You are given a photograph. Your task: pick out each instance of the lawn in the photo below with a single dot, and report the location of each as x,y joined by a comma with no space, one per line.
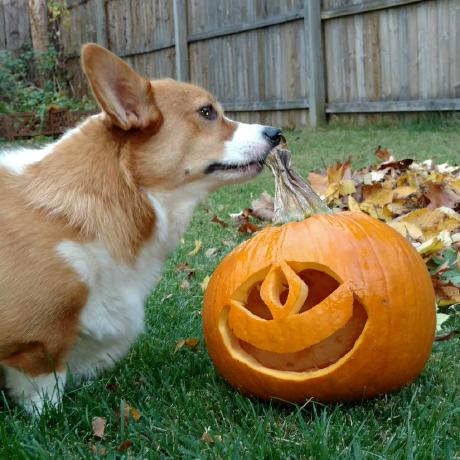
180,396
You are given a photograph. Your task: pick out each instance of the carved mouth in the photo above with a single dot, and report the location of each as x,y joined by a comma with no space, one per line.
311,347
318,356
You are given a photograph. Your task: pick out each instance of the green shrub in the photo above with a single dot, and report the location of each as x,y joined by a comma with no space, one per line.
35,82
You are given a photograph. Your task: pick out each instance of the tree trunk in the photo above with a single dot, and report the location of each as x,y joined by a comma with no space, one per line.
38,14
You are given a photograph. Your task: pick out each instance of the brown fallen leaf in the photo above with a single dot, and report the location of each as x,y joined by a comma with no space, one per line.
112,387
247,227
440,195
184,284
124,446
98,426
383,154
241,216
206,437
319,183
450,335
447,295
183,267
218,220
127,412
397,164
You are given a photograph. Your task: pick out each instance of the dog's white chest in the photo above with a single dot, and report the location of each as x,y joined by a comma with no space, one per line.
113,316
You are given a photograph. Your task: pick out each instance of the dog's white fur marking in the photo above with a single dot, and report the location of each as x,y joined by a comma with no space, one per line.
35,392
17,160
114,314
246,144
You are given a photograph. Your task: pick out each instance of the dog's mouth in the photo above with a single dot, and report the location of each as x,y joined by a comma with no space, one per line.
245,168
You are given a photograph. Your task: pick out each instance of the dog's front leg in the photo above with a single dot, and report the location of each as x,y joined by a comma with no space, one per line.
35,393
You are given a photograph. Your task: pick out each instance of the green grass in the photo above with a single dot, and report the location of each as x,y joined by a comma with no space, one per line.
180,395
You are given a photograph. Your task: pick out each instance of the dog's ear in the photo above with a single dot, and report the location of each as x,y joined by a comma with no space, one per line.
123,94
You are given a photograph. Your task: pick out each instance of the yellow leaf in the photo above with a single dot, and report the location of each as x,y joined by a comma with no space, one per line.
387,213
196,249
407,229
409,179
397,207
135,413
204,283
404,191
433,221
436,178
435,244
353,205
347,187
179,345
378,195
332,191
455,184
192,344
369,208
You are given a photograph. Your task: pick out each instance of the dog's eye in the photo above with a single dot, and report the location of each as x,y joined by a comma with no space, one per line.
208,112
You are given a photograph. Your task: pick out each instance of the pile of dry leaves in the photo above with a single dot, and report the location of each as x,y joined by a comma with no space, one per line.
419,200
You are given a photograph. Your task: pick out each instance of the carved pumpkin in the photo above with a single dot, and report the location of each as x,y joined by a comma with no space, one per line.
337,307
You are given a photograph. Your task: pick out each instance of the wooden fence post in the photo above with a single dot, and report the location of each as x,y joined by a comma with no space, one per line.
101,24
38,18
180,39
315,62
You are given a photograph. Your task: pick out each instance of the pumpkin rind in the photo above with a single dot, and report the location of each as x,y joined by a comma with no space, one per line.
375,265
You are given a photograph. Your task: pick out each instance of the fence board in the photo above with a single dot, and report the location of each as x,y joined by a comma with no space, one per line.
16,30
2,28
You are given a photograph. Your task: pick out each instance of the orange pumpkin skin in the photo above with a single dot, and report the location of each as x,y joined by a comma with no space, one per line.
370,333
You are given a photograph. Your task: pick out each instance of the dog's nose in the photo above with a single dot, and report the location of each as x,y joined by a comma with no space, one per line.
273,135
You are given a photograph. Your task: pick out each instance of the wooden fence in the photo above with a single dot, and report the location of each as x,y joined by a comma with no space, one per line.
284,62
14,24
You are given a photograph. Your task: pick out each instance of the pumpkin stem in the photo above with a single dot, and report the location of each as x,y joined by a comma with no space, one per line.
294,197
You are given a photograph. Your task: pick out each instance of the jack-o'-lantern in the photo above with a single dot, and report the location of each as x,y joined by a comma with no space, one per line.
335,307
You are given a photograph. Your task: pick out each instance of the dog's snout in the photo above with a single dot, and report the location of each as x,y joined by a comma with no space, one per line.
273,135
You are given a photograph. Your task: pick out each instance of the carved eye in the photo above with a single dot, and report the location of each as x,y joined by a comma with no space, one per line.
208,112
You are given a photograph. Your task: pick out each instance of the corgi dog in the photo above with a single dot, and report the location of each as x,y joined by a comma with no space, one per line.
87,222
